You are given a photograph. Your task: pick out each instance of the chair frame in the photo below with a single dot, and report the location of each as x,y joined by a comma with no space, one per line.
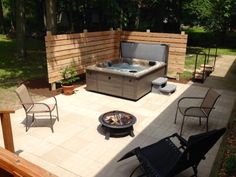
201,108
28,108
175,158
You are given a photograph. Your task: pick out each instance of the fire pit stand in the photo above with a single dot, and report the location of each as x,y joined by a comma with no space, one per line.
117,123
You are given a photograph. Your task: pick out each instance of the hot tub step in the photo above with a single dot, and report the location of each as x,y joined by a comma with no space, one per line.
168,89
159,82
160,85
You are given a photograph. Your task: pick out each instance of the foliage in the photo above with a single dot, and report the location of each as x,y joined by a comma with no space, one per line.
186,75
69,74
230,164
214,15
198,36
13,70
198,11
219,19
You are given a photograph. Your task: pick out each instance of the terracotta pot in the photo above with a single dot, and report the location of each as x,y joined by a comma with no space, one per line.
68,89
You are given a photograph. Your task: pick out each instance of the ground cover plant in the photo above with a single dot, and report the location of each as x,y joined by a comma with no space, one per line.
14,70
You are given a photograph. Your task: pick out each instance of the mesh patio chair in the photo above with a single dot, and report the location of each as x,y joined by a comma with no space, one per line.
201,110
32,108
166,159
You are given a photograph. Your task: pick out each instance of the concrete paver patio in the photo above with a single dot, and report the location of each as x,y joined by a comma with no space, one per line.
78,148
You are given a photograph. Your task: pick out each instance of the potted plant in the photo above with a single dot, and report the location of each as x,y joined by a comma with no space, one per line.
69,75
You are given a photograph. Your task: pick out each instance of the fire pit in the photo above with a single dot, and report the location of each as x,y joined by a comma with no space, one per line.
117,123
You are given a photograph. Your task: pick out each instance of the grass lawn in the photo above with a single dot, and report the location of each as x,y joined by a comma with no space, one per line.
191,58
14,70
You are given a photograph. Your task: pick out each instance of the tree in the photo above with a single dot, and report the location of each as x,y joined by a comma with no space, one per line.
20,29
51,17
220,16
214,15
2,27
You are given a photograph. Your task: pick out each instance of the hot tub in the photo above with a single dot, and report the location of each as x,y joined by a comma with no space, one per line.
129,78
130,81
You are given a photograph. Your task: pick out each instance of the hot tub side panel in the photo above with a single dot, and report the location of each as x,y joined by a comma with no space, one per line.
120,85
144,84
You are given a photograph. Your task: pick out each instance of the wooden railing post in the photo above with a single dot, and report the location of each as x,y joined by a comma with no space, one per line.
7,130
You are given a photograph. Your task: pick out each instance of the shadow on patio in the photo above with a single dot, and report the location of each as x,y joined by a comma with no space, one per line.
163,125
78,149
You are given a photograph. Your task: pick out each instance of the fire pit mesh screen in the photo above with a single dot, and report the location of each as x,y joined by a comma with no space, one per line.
117,119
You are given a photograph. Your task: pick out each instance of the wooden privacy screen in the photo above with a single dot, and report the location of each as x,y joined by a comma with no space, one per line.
84,49
177,47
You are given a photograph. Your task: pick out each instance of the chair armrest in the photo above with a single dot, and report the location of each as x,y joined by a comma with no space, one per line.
191,107
36,104
189,98
183,141
55,99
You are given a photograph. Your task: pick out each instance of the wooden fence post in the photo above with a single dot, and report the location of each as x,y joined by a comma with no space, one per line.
6,129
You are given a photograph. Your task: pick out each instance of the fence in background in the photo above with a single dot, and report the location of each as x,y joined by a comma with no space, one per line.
88,48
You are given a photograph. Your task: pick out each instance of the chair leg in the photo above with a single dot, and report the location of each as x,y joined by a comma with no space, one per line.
207,124
176,113
195,171
181,130
57,113
51,122
135,170
33,118
200,121
26,123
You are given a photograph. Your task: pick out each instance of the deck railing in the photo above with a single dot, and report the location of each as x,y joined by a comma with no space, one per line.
11,165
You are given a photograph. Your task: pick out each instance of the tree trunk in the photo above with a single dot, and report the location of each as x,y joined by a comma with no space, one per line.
51,17
2,27
20,29
71,16
40,15
13,16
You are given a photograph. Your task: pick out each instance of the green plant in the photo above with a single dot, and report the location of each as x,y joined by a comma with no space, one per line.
70,75
230,164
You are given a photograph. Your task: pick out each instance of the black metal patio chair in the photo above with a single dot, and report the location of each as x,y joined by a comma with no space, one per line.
202,110
166,159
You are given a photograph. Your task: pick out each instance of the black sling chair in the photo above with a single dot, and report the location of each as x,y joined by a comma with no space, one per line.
165,159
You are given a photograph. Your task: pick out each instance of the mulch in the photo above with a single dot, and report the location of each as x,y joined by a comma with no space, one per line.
40,86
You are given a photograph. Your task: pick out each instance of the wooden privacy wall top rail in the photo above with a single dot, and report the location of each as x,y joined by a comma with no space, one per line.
79,35
159,35
84,49
20,167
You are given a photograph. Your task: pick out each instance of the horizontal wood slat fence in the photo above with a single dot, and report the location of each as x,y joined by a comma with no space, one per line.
88,48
